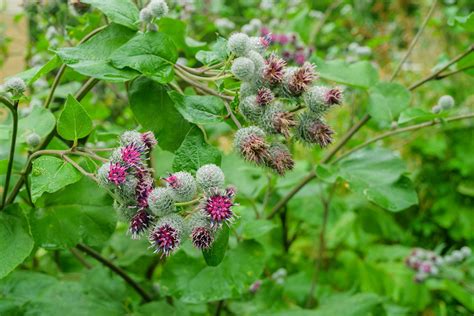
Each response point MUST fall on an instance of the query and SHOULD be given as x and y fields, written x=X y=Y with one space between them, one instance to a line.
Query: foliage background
x=412 y=190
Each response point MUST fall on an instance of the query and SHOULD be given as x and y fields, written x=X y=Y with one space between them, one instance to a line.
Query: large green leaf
x=360 y=74
x=194 y=152
x=123 y=12
x=153 y=54
x=40 y=121
x=92 y=57
x=216 y=253
x=78 y=213
x=155 y=111
x=74 y=122
x=16 y=242
x=378 y=174
x=199 y=109
x=217 y=53
x=51 y=174
x=387 y=101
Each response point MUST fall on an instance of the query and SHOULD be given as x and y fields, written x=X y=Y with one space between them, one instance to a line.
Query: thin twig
x=14 y=111
x=232 y=115
x=204 y=88
x=442 y=76
x=109 y=264
x=315 y=31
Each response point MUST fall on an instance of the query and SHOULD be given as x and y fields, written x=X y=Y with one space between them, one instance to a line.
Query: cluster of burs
x=427 y=263
x=269 y=89
x=186 y=206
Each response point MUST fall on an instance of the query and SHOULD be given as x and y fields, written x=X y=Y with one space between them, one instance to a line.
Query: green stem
x=196 y=200
x=14 y=111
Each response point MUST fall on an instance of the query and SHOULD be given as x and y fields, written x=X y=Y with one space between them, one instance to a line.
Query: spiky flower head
x=275 y=120
x=103 y=174
x=243 y=68
x=258 y=61
x=125 y=212
x=250 y=109
x=274 y=70
x=182 y=185
x=146 y=15
x=280 y=158
x=217 y=205
x=201 y=233
x=140 y=223
x=158 y=8
x=16 y=86
x=319 y=99
x=313 y=130
x=131 y=137
x=117 y=173
x=210 y=177
x=161 y=201
x=247 y=89
x=167 y=234
x=238 y=44
x=259 y=44
x=144 y=186
x=149 y=140
x=131 y=155
x=250 y=143
x=264 y=96
x=446 y=102
x=301 y=79
x=127 y=189
x=33 y=140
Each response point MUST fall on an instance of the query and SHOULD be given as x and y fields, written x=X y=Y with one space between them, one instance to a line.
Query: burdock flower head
x=140 y=223
x=319 y=99
x=278 y=121
x=144 y=186
x=250 y=109
x=182 y=185
x=131 y=155
x=16 y=86
x=274 y=70
x=243 y=68
x=117 y=173
x=239 y=44
x=149 y=140
x=313 y=130
x=217 y=206
x=250 y=142
x=210 y=177
x=280 y=158
x=264 y=96
x=166 y=236
x=202 y=235
x=161 y=202
x=299 y=80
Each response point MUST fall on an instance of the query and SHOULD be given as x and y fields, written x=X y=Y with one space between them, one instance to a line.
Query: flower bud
x=311 y=129
x=275 y=120
x=140 y=223
x=167 y=234
x=182 y=185
x=146 y=15
x=258 y=44
x=161 y=201
x=299 y=80
x=210 y=177
x=16 y=86
x=128 y=188
x=258 y=61
x=33 y=140
x=466 y=251
x=319 y=99
x=131 y=137
x=238 y=44
x=274 y=70
x=446 y=102
x=125 y=212
x=264 y=96
x=457 y=256
x=149 y=140
x=201 y=233
x=436 y=109
x=158 y=8
x=280 y=158
x=250 y=142
x=217 y=206
x=249 y=108
x=247 y=89
x=243 y=68
x=420 y=277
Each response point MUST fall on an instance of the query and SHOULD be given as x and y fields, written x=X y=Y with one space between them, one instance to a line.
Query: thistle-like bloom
x=161 y=202
x=144 y=187
x=140 y=223
x=210 y=177
x=117 y=173
x=280 y=158
x=217 y=206
x=277 y=121
x=264 y=96
x=250 y=142
x=274 y=70
x=239 y=44
x=313 y=130
x=182 y=185
x=131 y=155
x=166 y=235
x=333 y=96
x=202 y=237
x=319 y=99
x=300 y=80
x=149 y=140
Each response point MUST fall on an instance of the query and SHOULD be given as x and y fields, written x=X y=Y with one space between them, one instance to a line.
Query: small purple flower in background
x=255 y=286
x=117 y=173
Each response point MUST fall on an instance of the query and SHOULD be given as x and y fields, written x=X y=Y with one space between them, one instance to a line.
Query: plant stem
x=56 y=81
x=403 y=130
x=80 y=258
x=14 y=111
x=232 y=115
x=204 y=88
x=109 y=264
x=317 y=28
x=441 y=76
x=188 y=202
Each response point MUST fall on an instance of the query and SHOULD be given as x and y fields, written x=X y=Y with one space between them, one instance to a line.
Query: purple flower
x=202 y=237
x=165 y=239
x=144 y=187
x=117 y=173
x=139 y=223
x=131 y=155
x=218 y=206
x=149 y=140
x=274 y=69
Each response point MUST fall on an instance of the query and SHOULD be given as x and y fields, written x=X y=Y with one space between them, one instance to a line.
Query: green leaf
x=123 y=12
x=50 y=174
x=16 y=242
x=460 y=294
x=194 y=152
x=360 y=74
x=217 y=53
x=31 y=75
x=199 y=109
x=153 y=54
x=378 y=174
x=416 y=115
x=155 y=111
x=74 y=122
x=254 y=228
x=92 y=57
x=216 y=253
x=78 y=213
x=387 y=101
x=40 y=121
